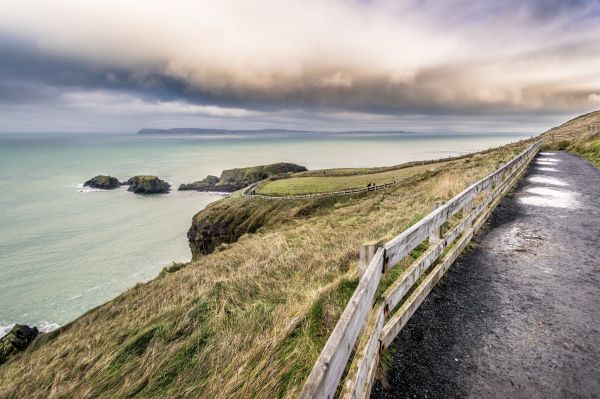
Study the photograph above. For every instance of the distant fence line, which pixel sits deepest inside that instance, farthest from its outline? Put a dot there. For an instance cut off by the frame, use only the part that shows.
(362, 332)
(249, 190)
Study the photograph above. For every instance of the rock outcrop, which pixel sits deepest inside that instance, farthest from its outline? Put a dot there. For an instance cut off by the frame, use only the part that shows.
(17, 340)
(243, 177)
(103, 182)
(207, 184)
(148, 185)
(221, 222)
(236, 179)
(225, 221)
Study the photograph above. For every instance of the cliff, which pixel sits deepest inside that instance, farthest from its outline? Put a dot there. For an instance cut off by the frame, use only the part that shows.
(235, 179)
(245, 176)
(225, 221)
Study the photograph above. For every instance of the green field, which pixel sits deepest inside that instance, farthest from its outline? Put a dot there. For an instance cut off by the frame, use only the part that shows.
(588, 149)
(336, 180)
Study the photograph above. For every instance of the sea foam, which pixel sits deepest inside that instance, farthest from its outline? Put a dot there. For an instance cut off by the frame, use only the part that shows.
(5, 329)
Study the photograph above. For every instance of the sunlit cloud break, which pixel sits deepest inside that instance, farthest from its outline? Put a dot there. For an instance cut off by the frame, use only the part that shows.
(256, 61)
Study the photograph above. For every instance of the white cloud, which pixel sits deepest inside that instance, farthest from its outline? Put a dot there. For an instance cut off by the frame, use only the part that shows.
(594, 98)
(110, 103)
(338, 79)
(418, 53)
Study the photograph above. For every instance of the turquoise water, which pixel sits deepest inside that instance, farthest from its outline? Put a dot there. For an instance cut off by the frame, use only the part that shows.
(64, 250)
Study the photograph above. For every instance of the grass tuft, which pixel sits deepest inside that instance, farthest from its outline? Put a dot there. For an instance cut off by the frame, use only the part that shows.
(135, 348)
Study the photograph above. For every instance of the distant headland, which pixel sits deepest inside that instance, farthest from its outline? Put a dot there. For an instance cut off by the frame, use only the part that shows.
(193, 130)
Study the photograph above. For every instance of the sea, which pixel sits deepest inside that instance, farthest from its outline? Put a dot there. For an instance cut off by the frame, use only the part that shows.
(65, 249)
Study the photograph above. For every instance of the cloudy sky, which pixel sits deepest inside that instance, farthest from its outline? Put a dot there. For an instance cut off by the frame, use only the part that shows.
(419, 65)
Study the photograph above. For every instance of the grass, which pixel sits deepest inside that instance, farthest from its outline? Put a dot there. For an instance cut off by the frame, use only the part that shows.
(580, 136)
(588, 149)
(329, 183)
(248, 320)
(575, 129)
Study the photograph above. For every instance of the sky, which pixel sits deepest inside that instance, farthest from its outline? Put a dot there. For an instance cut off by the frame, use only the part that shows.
(414, 65)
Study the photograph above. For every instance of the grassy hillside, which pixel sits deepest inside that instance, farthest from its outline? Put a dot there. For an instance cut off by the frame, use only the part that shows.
(588, 148)
(330, 180)
(248, 320)
(579, 128)
(580, 136)
(320, 184)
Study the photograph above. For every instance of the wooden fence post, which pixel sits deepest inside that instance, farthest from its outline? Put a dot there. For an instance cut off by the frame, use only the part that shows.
(468, 206)
(436, 235)
(366, 253)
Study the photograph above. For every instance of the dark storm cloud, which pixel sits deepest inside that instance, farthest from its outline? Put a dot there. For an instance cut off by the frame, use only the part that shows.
(29, 74)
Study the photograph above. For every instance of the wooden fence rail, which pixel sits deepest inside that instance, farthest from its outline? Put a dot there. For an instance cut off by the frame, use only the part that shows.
(248, 192)
(364, 330)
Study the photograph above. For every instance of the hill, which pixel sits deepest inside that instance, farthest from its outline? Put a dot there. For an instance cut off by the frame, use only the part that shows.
(193, 130)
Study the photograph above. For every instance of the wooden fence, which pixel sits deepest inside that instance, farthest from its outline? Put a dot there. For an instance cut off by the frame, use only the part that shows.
(368, 325)
(248, 192)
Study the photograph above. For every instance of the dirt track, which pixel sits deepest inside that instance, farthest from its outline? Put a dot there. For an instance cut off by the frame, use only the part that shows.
(518, 316)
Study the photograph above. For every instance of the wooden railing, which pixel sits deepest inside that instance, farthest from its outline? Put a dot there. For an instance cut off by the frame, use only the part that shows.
(248, 192)
(371, 322)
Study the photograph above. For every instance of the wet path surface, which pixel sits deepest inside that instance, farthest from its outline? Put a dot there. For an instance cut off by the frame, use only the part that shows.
(519, 315)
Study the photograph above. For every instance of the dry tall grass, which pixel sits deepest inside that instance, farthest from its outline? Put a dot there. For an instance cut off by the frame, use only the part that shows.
(575, 129)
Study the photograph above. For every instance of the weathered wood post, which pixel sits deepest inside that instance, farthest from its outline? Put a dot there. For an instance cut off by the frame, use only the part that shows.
(436, 234)
(366, 253)
(468, 206)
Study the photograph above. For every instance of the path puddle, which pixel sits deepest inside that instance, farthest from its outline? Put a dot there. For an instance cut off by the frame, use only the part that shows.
(546, 162)
(549, 197)
(550, 181)
(549, 192)
(546, 169)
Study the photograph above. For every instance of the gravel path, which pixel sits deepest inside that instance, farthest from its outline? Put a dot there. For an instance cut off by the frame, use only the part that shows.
(519, 315)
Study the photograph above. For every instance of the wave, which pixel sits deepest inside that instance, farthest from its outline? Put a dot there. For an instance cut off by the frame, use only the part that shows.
(82, 189)
(6, 329)
(47, 326)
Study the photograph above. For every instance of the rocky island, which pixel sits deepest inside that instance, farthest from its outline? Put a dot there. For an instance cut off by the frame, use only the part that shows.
(235, 179)
(103, 182)
(142, 184)
(17, 340)
(207, 184)
(147, 184)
